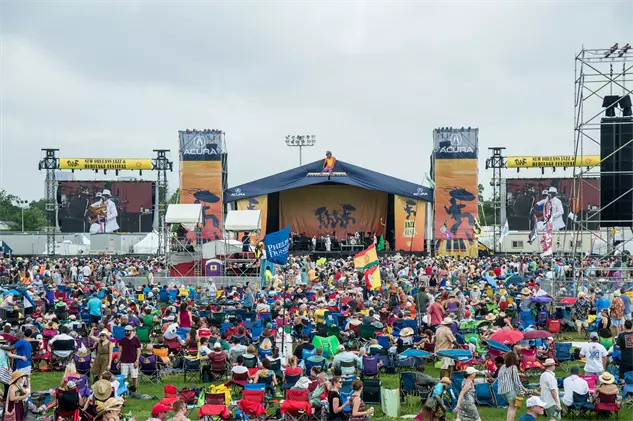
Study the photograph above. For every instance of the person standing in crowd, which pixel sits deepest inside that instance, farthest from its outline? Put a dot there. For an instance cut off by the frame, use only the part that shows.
(24, 350)
(510, 385)
(94, 309)
(548, 386)
(580, 311)
(19, 391)
(616, 311)
(595, 355)
(535, 408)
(466, 408)
(445, 340)
(129, 355)
(625, 342)
(103, 360)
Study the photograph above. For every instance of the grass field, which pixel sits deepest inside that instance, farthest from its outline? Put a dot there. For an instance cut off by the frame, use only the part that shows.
(141, 409)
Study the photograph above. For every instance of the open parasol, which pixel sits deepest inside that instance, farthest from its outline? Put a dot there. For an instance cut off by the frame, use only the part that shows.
(537, 334)
(541, 299)
(455, 354)
(414, 353)
(568, 301)
(497, 345)
(507, 336)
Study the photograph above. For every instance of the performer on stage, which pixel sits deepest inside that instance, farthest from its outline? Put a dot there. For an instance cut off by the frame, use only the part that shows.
(94, 218)
(104, 214)
(557, 210)
(328, 163)
(110, 224)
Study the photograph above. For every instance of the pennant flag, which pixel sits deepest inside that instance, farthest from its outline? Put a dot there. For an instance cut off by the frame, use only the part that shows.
(372, 278)
(366, 258)
(277, 245)
(381, 244)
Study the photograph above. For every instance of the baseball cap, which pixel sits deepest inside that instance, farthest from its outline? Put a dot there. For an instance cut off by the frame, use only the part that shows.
(535, 401)
(594, 335)
(159, 407)
(128, 327)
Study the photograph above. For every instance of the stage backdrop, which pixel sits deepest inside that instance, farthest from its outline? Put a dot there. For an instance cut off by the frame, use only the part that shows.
(256, 203)
(201, 177)
(456, 226)
(410, 218)
(320, 210)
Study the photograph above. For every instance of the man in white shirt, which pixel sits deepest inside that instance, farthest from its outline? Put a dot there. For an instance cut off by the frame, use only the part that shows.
(549, 391)
(557, 210)
(86, 271)
(110, 224)
(538, 291)
(595, 355)
(574, 384)
(63, 336)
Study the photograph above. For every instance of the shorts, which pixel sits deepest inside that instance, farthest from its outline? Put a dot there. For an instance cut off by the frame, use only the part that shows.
(589, 373)
(552, 413)
(584, 323)
(617, 322)
(510, 396)
(129, 369)
(25, 370)
(447, 363)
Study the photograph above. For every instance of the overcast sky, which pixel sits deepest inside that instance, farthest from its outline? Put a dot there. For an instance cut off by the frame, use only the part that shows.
(370, 80)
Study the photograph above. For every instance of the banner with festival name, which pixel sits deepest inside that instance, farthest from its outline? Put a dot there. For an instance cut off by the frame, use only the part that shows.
(256, 203)
(409, 220)
(333, 210)
(456, 191)
(201, 177)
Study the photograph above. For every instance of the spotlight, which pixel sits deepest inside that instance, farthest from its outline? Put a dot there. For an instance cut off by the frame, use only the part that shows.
(625, 104)
(609, 102)
(611, 50)
(624, 49)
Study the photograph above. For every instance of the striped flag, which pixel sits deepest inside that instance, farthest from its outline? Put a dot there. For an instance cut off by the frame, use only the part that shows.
(372, 278)
(366, 258)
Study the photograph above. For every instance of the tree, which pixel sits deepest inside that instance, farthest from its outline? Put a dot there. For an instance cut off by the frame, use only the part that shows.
(486, 208)
(174, 198)
(34, 215)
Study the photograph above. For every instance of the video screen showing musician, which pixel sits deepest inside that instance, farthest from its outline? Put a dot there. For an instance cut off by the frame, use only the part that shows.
(102, 214)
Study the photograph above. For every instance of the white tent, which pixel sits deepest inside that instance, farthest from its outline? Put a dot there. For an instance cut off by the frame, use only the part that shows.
(243, 220)
(187, 215)
(148, 245)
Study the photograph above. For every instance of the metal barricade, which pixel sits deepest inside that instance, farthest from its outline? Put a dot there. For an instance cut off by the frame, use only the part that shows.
(221, 282)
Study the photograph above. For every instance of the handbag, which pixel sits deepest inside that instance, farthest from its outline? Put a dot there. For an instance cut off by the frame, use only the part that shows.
(5, 374)
(431, 403)
(518, 402)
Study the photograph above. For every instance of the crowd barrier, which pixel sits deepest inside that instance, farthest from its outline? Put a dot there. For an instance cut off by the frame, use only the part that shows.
(197, 281)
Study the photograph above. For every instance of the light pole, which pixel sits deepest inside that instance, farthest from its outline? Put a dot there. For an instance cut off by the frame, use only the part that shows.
(22, 204)
(300, 141)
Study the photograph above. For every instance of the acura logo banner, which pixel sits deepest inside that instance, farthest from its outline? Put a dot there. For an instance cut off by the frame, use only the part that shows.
(453, 143)
(203, 145)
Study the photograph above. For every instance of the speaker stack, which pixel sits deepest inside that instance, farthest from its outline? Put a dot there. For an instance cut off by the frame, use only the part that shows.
(616, 165)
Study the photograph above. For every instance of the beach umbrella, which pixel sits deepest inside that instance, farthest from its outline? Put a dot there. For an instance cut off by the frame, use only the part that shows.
(414, 353)
(542, 299)
(507, 336)
(11, 292)
(497, 346)
(537, 334)
(455, 354)
(568, 301)
(515, 279)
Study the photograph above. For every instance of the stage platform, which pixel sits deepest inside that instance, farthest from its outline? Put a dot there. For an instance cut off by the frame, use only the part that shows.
(338, 254)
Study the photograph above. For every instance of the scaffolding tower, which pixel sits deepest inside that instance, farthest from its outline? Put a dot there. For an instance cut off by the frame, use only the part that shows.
(599, 73)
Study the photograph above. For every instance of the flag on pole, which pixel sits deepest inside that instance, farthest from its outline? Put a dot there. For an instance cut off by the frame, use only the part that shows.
(381, 244)
(504, 232)
(366, 258)
(372, 278)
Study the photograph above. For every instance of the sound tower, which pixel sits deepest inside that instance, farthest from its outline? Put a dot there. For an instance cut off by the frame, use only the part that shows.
(616, 171)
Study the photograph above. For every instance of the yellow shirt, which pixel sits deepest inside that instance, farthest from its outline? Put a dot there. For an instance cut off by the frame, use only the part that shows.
(319, 315)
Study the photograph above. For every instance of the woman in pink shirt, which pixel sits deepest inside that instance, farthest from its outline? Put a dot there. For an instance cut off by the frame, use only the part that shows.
(185, 316)
(436, 313)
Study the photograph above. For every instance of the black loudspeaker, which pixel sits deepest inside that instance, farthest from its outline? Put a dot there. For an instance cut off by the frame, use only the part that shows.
(371, 390)
(616, 172)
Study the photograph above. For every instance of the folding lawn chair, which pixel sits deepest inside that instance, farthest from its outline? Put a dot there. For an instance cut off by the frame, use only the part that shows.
(191, 369)
(149, 369)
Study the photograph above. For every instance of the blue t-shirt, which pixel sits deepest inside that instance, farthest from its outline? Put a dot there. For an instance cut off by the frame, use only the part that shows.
(23, 349)
(602, 303)
(94, 306)
(627, 303)
(527, 417)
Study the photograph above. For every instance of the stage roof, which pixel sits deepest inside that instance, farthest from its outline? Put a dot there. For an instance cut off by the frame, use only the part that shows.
(356, 176)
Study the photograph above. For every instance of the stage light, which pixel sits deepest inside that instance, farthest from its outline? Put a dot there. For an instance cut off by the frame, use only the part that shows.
(624, 49)
(611, 50)
(609, 102)
(625, 104)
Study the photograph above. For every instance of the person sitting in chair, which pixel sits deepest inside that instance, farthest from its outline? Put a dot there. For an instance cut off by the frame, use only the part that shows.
(328, 163)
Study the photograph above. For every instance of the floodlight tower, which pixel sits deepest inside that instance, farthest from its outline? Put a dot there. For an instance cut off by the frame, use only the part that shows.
(300, 141)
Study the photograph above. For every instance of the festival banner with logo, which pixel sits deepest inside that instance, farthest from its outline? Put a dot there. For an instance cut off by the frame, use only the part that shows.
(409, 218)
(456, 189)
(201, 177)
(277, 246)
(256, 203)
(334, 210)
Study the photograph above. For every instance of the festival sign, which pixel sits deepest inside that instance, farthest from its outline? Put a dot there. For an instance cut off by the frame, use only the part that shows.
(105, 164)
(552, 161)
(256, 203)
(201, 177)
(334, 210)
(409, 217)
(456, 178)
(277, 246)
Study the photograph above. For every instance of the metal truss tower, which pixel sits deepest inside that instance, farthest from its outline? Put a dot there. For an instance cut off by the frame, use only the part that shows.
(497, 162)
(162, 164)
(50, 163)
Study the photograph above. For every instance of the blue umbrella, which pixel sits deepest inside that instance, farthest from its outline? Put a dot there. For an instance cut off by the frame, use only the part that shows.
(456, 354)
(11, 292)
(515, 279)
(414, 353)
(497, 346)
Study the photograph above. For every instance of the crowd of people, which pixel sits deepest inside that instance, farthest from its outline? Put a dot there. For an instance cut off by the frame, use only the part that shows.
(83, 315)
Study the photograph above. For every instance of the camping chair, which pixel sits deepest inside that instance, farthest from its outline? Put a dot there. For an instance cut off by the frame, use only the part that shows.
(83, 364)
(142, 332)
(541, 318)
(370, 367)
(607, 404)
(68, 405)
(310, 364)
(349, 364)
(192, 369)
(218, 366)
(591, 383)
(530, 365)
(63, 345)
(384, 341)
(347, 384)
(367, 332)
(149, 369)
(122, 390)
(408, 387)
(580, 405)
(118, 332)
(484, 394)
(627, 390)
(296, 406)
(251, 406)
(553, 326)
(290, 382)
(563, 354)
(238, 380)
(173, 344)
(250, 362)
(214, 407)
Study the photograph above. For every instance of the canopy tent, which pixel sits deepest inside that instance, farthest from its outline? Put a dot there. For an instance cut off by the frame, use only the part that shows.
(243, 221)
(148, 245)
(355, 176)
(187, 215)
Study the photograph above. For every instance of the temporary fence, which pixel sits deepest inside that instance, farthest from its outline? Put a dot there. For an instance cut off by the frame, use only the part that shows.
(197, 281)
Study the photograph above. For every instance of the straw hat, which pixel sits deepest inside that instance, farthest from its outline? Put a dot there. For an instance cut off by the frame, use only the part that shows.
(581, 294)
(525, 291)
(549, 362)
(447, 321)
(102, 389)
(446, 381)
(112, 404)
(502, 314)
(17, 375)
(407, 331)
(475, 302)
(606, 378)
(490, 317)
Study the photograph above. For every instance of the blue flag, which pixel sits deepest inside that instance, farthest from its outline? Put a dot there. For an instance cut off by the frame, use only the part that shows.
(277, 245)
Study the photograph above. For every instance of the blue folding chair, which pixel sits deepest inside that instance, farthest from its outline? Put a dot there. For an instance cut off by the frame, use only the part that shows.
(484, 394)
(118, 332)
(383, 341)
(563, 354)
(182, 333)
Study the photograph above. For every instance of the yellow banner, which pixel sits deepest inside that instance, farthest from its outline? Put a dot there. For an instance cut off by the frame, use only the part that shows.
(552, 161)
(409, 216)
(256, 203)
(105, 164)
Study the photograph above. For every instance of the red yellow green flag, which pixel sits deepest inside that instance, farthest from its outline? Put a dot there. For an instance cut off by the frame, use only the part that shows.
(366, 258)
(372, 278)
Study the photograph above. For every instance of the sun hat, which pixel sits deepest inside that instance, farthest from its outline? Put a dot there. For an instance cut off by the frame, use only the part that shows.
(502, 314)
(446, 381)
(303, 383)
(71, 385)
(535, 401)
(407, 331)
(102, 389)
(447, 321)
(160, 407)
(104, 332)
(112, 404)
(471, 370)
(17, 375)
(549, 362)
(606, 378)
(490, 317)
(581, 294)
(525, 291)
(475, 302)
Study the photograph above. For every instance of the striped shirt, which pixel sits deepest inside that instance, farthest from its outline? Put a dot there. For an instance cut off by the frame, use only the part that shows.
(509, 380)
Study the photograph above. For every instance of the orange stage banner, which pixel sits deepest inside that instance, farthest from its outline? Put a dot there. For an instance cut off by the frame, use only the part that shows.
(409, 218)
(334, 210)
(456, 214)
(201, 182)
(256, 203)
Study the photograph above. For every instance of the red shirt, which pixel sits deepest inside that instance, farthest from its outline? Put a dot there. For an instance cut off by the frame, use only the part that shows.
(436, 313)
(497, 272)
